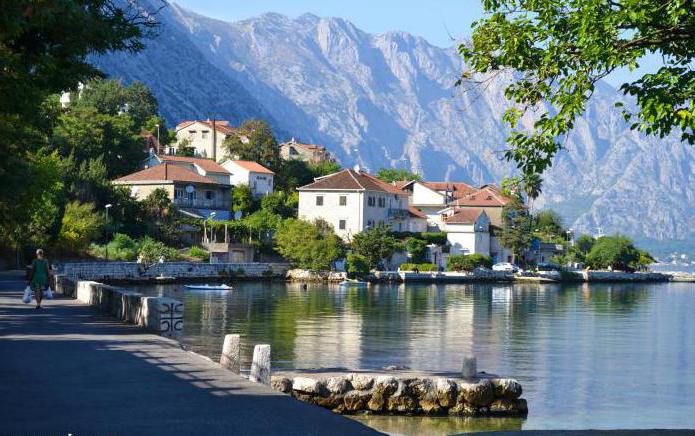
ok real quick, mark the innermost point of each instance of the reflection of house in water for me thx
(330, 341)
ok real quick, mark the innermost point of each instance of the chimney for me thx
(214, 141)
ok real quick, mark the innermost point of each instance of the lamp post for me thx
(210, 217)
(107, 207)
(158, 143)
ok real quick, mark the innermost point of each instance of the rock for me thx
(361, 382)
(446, 392)
(384, 387)
(332, 401)
(338, 385)
(307, 385)
(401, 400)
(463, 409)
(426, 393)
(506, 388)
(478, 394)
(282, 384)
(503, 406)
(356, 400)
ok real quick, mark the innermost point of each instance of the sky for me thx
(438, 21)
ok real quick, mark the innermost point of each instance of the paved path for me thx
(66, 369)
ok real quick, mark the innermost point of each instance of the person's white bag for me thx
(48, 294)
(27, 295)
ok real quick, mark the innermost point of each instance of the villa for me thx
(205, 137)
(293, 150)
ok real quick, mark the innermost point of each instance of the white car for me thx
(505, 266)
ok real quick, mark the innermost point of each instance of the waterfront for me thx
(588, 356)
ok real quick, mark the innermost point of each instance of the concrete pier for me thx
(69, 369)
(231, 353)
(260, 365)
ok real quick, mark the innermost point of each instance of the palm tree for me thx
(532, 185)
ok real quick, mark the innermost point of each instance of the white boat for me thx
(353, 283)
(222, 287)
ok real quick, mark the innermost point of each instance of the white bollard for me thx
(260, 366)
(470, 369)
(231, 353)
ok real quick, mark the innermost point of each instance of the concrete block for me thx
(162, 315)
(231, 353)
(260, 366)
(469, 370)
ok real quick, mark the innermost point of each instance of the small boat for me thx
(222, 287)
(353, 283)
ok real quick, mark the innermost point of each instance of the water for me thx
(588, 356)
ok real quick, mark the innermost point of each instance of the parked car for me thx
(505, 266)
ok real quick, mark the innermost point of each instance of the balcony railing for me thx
(398, 213)
(201, 204)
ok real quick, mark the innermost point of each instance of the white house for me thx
(206, 137)
(468, 231)
(245, 172)
(431, 197)
(353, 201)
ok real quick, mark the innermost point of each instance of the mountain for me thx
(390, 100)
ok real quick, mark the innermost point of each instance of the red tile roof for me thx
(208, 165)
(252, 166)
(350, 179)
(309, 147)
(464, 216)
(166, 172)
(220, 125)
(487, 196)
(456, 189)
(416, 212)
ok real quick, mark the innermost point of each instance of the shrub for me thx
(152, 251)
(423, 267)
(438, 238)
(467, 262)
(417, 248)
(357, 264)
(198, 253)
(80, 225)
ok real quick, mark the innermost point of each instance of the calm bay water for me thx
(588, 356)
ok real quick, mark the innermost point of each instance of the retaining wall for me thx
(161, 315)
(181, 270)
(406, 394)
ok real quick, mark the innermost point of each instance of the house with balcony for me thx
(431, 197)
(202, 166)
(353, 201)
(253, 174)
(194, 194)
(294, 150)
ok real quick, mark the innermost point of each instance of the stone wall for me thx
(180, 270)
(303, 275)
(618, 276)
(161, 315)
(479, 275)
(406, 394)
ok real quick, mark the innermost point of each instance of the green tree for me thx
(517, 227)
(184, 148)
(417, 248)
(312, 246)
(617, 252)
(549, 226)
(243, 199)
(81, 226)
(280, 203)
(511, 186)
(254, 142)
(532, 186)
(294, 173)
(584, 244)
(357, 265)
(375, 244)
(561, 49)
(390, 175)
(160, 216)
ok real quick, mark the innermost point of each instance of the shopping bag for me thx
(27, 295)
(48, 294)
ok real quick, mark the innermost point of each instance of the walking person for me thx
(38, 276)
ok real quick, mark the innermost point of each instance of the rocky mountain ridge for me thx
(389, 100)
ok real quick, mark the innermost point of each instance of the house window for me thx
(204, 134)
(371, 201)
(191, 134)
(209, 195)
(178, 193)
(341, 224)
(343, 200)
(319, 200)
(382, 202)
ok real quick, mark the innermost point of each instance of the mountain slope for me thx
(389, 100)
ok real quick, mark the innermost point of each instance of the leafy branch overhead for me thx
(560, 49)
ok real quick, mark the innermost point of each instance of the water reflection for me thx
(588, 356)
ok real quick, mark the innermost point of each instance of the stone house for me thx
(293, 150)
(353, 201)
(244, 172)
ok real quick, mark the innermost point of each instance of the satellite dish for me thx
(190, 189)
(237, 215)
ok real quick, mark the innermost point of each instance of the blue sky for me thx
(435, 20)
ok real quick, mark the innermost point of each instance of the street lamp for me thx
(107, 207)
(210, 217)
(158, 143)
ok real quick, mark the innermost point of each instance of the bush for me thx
(80, 226)
(357, 264)
(438, 238)
(467, 262)
(151, 251)
(422, 267)
(417, 248)
(198, 253)
(312, 246)
(121, 247)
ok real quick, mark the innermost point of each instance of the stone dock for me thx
(405, 393)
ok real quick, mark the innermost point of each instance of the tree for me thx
(160, 216)
(532, 186)
(242, 199)
(584, 244)
(312, 246)
(375, 244)
(280, 203)
(390, 175)
(616, 252)
(81, 225)
(467, 262)
(294, 173)
(548, 225)
(561, 49)
(417, 248)
(184, 148)
(254, 142)
(357, 265)
(517, 226)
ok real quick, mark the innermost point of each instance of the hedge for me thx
(467, 262)
(422, 267)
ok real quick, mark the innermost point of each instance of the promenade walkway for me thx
(66, 369)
